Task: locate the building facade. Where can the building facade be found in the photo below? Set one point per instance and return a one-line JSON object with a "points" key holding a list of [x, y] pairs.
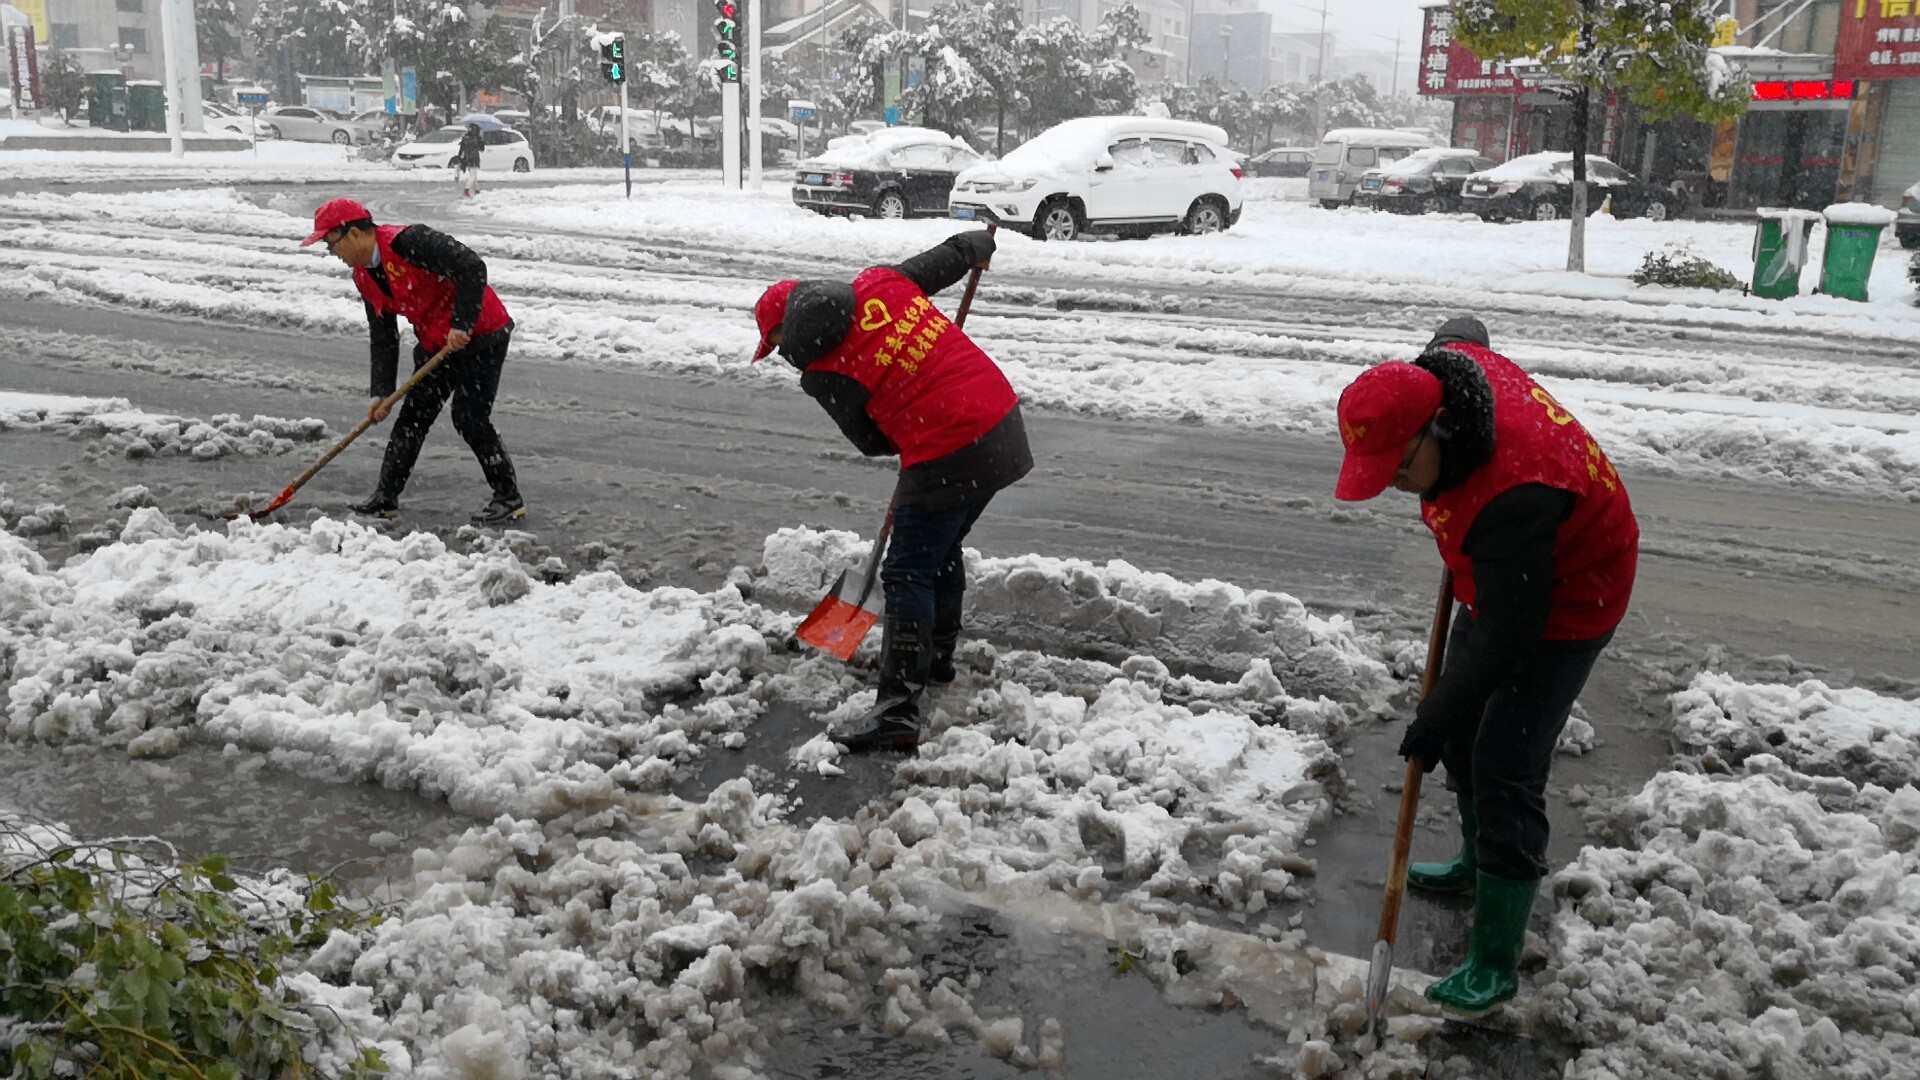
{"points": [[101, 35]]}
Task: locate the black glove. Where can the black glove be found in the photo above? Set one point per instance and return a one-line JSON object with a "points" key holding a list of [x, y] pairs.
{"points": [[1425, 739], [976, 244]]}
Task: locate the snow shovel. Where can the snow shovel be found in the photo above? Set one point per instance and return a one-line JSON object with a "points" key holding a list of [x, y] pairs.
{"points": [[1380, 971], [390, 401], [839, 623]]}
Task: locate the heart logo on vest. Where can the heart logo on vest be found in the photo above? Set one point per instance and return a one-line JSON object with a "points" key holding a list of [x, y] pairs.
{"points": [[874, 315]]}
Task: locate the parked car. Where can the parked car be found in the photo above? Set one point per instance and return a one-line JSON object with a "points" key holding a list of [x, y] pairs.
{"points": [[1281, 161], [1345, 153], [866, 127], [304, 123], [1131, 175], [1540, 187], [503, 149], [892, 173], [1906, 226], [220, 118], [1425, 182]]}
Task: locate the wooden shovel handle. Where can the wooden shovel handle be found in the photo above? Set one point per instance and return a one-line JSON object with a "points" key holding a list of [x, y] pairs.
{"points": [[1416, 771], [388, 402], [973, 282]]}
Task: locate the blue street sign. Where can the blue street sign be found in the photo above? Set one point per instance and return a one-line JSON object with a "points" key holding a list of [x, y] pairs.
{"points": [[256, 98], [803, 114]]}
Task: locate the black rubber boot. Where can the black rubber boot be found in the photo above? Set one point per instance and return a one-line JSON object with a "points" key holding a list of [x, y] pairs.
{"points": [[380, 505], [501, 510], [946, 636], [906, 654]]}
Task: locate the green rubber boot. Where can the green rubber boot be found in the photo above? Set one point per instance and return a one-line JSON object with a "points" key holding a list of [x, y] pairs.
{"points": [[1456, 875], [1491, 974]]}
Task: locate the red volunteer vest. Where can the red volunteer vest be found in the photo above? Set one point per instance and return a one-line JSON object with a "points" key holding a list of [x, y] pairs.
{"points": [[426, 299], [931, 389], [1537, 442]]}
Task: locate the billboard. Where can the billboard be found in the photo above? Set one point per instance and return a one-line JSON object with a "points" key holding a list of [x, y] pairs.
{"points": [[23, 70], [1879, 39], [1449, 69]]}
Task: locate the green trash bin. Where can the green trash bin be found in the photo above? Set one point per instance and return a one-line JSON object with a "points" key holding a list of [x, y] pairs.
{"points": [[1853, 235], [1780, 246], [146, 106], [107, 100]]}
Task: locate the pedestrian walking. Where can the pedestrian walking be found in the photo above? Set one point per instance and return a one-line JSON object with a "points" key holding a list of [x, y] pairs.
{"points": [[440, 285], [1536, 527], [471, 142], [899, 377]]}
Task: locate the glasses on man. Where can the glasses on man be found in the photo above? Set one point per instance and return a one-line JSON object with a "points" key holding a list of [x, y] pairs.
{"points": [[1406, 463], [333, 237]]}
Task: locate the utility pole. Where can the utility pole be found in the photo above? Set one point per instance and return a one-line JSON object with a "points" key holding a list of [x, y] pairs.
{"points": [[754, 149]]}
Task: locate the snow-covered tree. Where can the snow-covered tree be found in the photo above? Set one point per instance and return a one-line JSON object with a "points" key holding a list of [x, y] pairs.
{"points": [[308, 37], [1657, 52], [1354, 102], [439, 40], [217, 26], [62, 83]]}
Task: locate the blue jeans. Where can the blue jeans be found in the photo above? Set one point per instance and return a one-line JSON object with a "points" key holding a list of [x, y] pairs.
{"points": [[1503, 758], [924, 558]]}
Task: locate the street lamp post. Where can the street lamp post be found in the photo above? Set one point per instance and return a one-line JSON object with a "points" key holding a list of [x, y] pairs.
{"points": [[1226, 51], [1395, 91]]}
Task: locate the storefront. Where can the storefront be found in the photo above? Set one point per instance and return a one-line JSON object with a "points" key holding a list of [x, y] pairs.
{"points": [[1789, 148], [1882, 51], [1502, 110]]}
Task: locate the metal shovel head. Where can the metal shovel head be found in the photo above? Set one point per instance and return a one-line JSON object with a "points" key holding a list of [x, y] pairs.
{"points": [[1379, 976], [839, 623]]}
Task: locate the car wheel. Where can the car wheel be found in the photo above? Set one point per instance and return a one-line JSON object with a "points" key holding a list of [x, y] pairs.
{"points": [[890, 204], [1206, 215], [1657, 211], [453, 163], [1544, 210], [342, 138], [1909, 238], [1331, 204], [273, 131], [1430, 204], [522, 165], [1056, 221]]}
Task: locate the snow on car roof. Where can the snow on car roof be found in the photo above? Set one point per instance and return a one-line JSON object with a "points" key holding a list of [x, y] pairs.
{"points": [[870, 151], [1377, 137], [1546, 165], [1083, 138]]}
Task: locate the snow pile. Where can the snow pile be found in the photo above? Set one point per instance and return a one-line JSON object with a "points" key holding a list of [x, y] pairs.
{"points": [[1767, 922], [1812, 728], [128, 432], [1077, 606], [347, 654]]}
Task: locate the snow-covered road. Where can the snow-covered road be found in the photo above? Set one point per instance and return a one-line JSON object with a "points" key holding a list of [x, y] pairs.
{"points": [[670, 880]]}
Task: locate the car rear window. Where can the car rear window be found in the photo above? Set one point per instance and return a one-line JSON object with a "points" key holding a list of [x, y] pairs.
{"points": [[1328, 154], [1203, 154]]}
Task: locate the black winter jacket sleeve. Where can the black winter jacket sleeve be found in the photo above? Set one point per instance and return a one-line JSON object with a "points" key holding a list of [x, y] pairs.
{"points": [[948, 261], [1512, 548], [437, 253], [383, 336]]}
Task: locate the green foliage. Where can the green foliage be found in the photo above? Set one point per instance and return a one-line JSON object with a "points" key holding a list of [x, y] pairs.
{"points": [[217, 29], [1657, 51], [1680, 266], [308, 37], [113, 967]]}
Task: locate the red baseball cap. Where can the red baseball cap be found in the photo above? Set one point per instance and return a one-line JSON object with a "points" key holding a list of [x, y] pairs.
{"points": [[1379, 412], [332, 214], [770, 311]]}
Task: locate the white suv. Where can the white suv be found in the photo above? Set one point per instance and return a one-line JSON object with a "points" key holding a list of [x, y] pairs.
{"points": [[1131, 175]]}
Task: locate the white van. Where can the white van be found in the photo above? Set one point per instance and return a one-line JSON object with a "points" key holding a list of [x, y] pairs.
{"points": [[1131, 175], [1345, 153]]}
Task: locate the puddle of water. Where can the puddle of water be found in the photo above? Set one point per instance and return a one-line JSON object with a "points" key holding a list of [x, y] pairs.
{"points": [[203, 802]]}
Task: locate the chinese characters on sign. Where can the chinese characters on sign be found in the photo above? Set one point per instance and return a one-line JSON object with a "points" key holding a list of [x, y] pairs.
{"points": [[23, 71], [1448, 69], [1879, 39], [912, 338]]}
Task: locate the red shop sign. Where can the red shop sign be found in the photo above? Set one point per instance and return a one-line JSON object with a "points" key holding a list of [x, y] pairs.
{"points": [[1879, 39], [1449, 69]]}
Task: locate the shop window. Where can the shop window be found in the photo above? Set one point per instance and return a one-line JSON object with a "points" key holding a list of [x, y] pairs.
{"points": [[130, 5], [133, 39], [64, 35]]}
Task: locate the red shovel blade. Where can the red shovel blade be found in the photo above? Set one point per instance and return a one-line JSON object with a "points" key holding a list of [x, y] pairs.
{"points": [[279, 501], [837, 624]]}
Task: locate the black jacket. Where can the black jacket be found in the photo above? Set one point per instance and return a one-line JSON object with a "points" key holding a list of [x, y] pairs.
{"points": [[470, 144], [436, 253], [819, 316], [1511, 544]]}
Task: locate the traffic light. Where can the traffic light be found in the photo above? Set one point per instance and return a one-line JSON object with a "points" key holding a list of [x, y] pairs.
{"points": [[726, 31], [613, 59]]}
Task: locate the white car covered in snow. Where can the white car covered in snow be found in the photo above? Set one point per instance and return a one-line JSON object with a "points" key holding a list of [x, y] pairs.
{"points": [[1131, 175], [504, 149]]}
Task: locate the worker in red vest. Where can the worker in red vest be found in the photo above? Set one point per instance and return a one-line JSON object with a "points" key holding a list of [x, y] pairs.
{"points": [[899, 377], [1534, 523], [440, 285]]}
